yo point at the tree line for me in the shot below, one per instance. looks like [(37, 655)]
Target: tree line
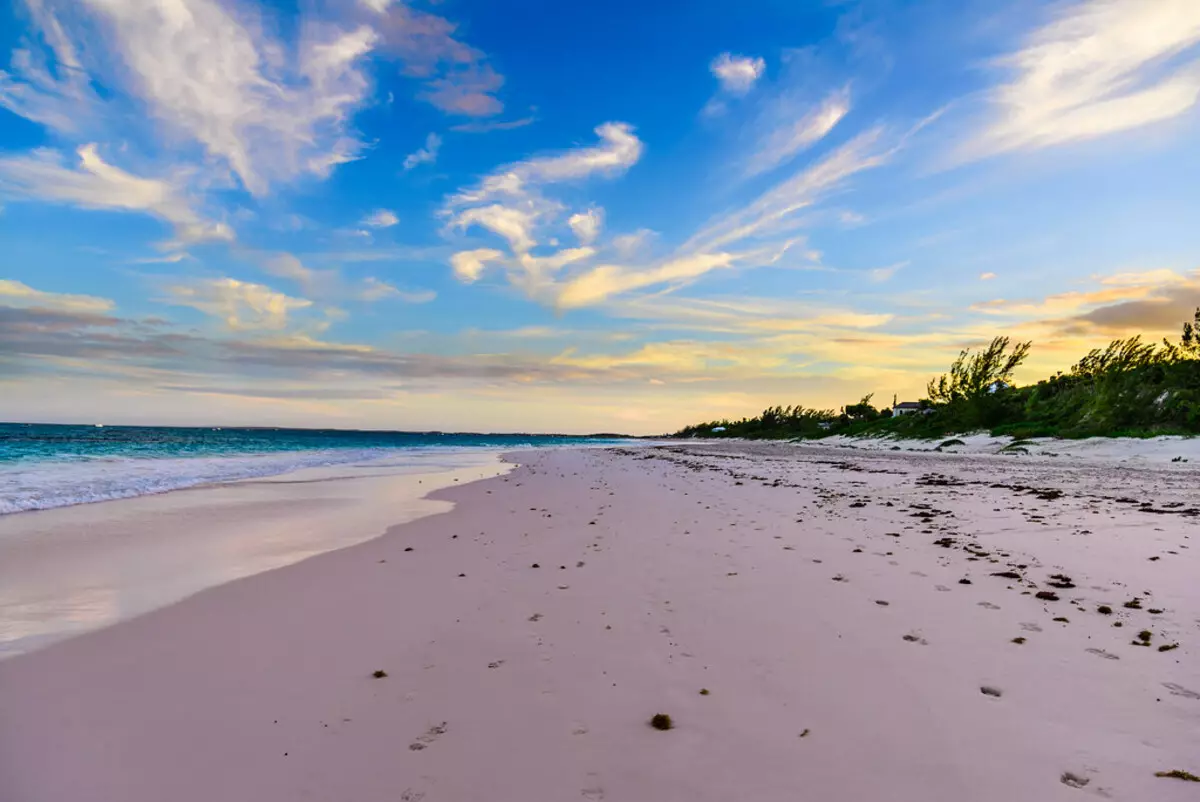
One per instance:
[(1128, 388)]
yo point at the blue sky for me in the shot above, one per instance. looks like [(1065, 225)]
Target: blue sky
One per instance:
[(562, 216)]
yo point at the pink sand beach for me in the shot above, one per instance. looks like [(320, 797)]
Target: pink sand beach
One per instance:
[(827, 624)]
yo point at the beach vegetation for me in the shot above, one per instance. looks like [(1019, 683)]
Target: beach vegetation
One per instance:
[(661, 721), (1178, 774), (1129, 388)]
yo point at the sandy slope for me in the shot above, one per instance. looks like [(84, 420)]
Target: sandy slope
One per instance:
[(758, 572)]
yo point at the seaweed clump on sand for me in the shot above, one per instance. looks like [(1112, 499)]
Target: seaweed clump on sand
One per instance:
[(1178, 774), (662, 721)]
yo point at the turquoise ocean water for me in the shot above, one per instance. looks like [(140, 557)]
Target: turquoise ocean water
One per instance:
[(44, 466)]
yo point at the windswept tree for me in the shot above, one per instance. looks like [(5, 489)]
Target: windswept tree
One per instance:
[(1120, 356), (1189, 343), (975, 375), (863, 410)]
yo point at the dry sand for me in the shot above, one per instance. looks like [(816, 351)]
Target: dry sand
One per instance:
[(844, 651)]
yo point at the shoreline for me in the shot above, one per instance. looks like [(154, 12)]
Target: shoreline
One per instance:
[(77, 568), (753, 571)]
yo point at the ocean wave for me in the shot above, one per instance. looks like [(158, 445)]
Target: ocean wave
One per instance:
[(54, 483)]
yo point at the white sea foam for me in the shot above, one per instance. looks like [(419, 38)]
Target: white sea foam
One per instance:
[(43, 485)]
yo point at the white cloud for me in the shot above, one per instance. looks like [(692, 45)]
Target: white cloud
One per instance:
[(737, 74), (239, 304), (510, 203), (792, 130), (513, 224), (619, 149), (268, 110), (986, 276), (56, 95), (425, 155), (758, 234), (469, 265), (95, 184), (380, 218), (587, 225), (605, 281), (15, 293), (1099, 67)]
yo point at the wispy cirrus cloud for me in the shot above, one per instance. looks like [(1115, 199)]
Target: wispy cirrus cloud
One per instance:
[(485, 126), (509, 203), (1097, 68), (93, 183), (213, 84), (48, 86), (774, 213), (240, 305), (424, 155), (271, 111), (792, 125), (17, 294)]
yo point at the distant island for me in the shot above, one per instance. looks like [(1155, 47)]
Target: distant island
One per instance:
[(1128, 389)]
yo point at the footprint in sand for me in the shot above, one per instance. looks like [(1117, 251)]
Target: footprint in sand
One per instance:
[(1102, 653), (1179, 690), (942, 588), (989, 605), (427, 739), (1073, 780), (1030, 627)]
